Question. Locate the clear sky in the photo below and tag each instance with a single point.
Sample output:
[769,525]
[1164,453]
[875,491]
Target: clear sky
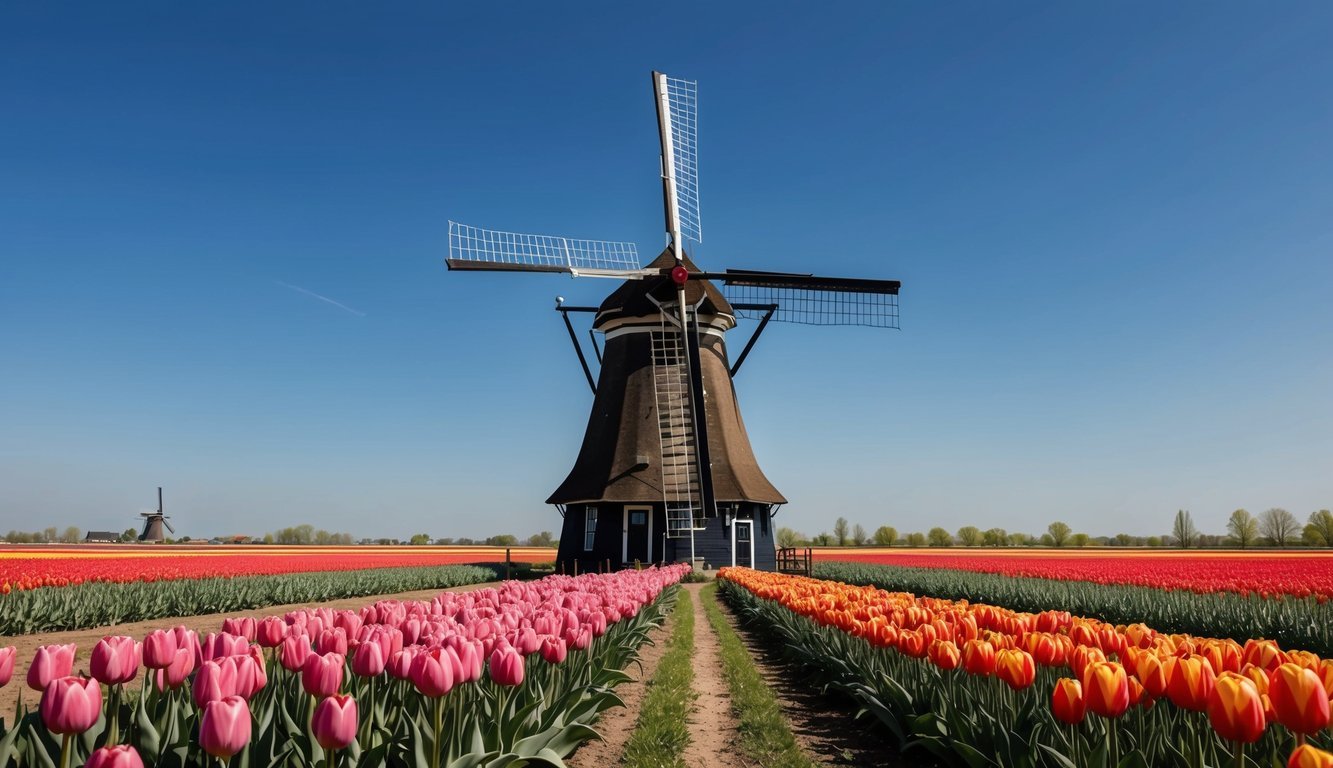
[223,226]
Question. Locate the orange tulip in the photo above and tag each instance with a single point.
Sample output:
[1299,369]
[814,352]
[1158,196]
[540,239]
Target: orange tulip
[1299,699]
[1082,656]
[944,654]
[1235,708]
[1106,688]
[1307,756]
[1015,668]
[912,643]
[979,657]
[1067,701]
[1138,695]
[1262,653]
[1189,682]
[1045,649]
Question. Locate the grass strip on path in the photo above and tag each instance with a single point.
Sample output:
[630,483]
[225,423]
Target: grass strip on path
[661,733]
[766,736]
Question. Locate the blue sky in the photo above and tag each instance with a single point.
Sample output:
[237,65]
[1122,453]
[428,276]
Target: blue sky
[1113,225]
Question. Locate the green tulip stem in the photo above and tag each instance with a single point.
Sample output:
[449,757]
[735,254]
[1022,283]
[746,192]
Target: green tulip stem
[64,750]
[1112,744]
[113,716]
[331,758]
[1240,754]
[367,726]
[501,704]
[439,733]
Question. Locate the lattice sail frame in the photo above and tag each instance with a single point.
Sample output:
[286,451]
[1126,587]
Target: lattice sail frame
[474,245]
[681,98]
[815,306]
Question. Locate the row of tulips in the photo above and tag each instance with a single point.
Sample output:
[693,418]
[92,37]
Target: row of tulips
[103,603]
[978,685]
[495,677]
[1296,622]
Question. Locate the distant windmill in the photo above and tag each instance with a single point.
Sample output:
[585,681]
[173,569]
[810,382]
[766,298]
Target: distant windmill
[154,521]
[666,472]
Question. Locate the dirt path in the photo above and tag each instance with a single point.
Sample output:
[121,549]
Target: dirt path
[616,725]
[824,726]
[712,723]
[85,639]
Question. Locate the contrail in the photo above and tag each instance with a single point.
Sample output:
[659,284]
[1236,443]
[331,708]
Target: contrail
[339,305]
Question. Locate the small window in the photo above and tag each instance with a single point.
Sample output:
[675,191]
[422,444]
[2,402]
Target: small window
[589,528]
[638,518]
[742,534]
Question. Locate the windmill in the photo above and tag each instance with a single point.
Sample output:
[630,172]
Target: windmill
[666,472]
[154,522]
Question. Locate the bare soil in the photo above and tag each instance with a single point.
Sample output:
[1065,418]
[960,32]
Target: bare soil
[712,723]
[85,639]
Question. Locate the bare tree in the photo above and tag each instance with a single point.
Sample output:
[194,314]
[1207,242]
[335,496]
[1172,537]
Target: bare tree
[840,531]
[1059,533]
[1183,531]
[885,536]
[858,535]
[1244,529]
[1278,526]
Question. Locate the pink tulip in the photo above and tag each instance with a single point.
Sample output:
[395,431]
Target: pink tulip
[334,722]
[400,663]
[243,626]
[322,676]
[115,660]
[225,726]
[332,641]
[222,644]
[294,651]
[51,662]
[159,649]
[71,704]
[251,677]
[215,681]
[122,756]
[177,672]
[507,667]
[554,650]
[368,660]
[7,656]
[270,632]
[528,642]
[433,671]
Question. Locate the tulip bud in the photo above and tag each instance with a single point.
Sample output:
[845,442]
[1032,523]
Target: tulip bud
[8,655]
[1106,688]
[944,654]
[400,663]
[1235,708]
[243,626]
[979,657]
[123,756]
[115,660]
[1067,701]
[177,672]
[295,649]
[1189,682]
[159,649]
[433,671]
[1307,756]
[368,659]
[1299,699]
[554,650]
[322,676]
[50,663]
[270,632]
[1015,668]
[507,667]
[216,680]
[334,722]
[71,704]
[224,728]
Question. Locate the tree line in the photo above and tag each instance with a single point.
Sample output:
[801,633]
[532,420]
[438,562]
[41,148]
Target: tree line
[1274,527]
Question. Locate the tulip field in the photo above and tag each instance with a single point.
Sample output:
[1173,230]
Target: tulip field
[975,685]
[503,676]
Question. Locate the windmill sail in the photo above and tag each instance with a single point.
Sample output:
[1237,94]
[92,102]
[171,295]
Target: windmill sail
[474,248]
[811,300]
[678,123]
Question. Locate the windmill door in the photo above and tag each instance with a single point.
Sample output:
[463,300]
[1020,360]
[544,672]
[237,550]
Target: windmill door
[638,535]
[743,546]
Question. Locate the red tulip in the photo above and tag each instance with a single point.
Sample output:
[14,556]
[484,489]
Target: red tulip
[115,660]
[51,662]
[432,671]
[1106,688]
[944,654]
[1016,668]
[1307,756]
[334,722]
[979,657]
[322,676]
[159,649]
[224,728]
[1236,709]
[122,756]
[507,667]
[1299,699]
[71,704]
[1067,701]
[1189,682]
[295,650]
[7,656]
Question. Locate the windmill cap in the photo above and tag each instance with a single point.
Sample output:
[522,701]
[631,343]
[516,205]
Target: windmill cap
[631,299]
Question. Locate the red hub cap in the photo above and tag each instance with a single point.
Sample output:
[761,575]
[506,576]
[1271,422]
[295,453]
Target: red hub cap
[680,274]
